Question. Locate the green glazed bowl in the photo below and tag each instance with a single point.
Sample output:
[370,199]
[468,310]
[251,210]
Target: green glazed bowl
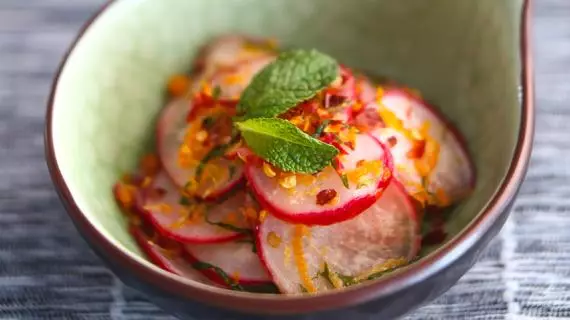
[470,57]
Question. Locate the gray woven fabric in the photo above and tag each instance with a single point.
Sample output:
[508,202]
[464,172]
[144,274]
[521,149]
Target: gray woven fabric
[48,272]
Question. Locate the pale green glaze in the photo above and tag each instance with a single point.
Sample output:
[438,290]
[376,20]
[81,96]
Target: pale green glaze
[461,54]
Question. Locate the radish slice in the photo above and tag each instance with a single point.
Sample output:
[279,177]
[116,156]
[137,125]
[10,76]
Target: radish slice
[167,260]
[160,203]
[233,81]
[454,172]
[171,129]
[385,236]
[230,50]
[368,117]
[299,204]
[236,259]
[366,92]
[404,167]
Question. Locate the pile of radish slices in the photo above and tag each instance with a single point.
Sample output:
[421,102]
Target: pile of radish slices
[209,209]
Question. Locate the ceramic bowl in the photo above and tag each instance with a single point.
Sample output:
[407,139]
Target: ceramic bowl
[470,58]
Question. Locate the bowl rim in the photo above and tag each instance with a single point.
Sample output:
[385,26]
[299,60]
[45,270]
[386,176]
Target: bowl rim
[397,281]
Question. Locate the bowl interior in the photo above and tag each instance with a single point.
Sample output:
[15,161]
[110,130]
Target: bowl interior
[462,55]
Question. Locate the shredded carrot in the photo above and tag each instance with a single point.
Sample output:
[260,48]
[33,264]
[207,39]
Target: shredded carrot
[269,170]
[125,194]
[273,239]
[299,232]
[178,85]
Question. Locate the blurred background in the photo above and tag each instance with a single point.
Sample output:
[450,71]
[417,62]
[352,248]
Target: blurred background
[48,272]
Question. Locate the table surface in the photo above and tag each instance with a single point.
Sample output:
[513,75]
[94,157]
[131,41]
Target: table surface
[48,272]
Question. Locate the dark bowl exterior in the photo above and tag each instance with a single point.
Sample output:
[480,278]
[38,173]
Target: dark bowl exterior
[387,298]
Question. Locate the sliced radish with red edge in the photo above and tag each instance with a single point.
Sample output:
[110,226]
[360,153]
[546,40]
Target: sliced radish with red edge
[171,129]
[454,171]
[160,204]
[233,81]
[230,50]
[236,259]
[299,204]
[170,261]
[386,232]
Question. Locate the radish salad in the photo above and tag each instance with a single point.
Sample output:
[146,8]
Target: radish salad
[287,172]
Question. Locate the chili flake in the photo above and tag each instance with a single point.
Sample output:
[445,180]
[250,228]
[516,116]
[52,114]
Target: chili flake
[325,196]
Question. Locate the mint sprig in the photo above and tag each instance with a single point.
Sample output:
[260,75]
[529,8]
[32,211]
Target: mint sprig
[295,76]
[285,146]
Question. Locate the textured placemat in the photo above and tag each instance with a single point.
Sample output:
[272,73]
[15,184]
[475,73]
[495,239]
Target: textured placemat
[47,271]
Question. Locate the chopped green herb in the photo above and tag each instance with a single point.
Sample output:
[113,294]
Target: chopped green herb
[216,93]
[226,226]
[321,128]
[258,288]
[331,276]
[208,122]
[303,289]
[344,179]
[199,265]
[184,201]
[216,152]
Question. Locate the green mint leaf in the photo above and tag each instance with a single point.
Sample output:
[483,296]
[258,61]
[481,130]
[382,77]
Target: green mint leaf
[285,146]
[295,76]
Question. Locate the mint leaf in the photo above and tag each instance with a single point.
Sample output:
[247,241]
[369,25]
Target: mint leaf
[294,77]
[285,146]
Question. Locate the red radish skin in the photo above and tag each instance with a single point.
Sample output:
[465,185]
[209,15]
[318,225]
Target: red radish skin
[366,91]
[301,206]
[404,168]
[232,81]
[170,134]
[228,51]
[387,230]
[174,264]
[454,172]
[235,258]
[168,222]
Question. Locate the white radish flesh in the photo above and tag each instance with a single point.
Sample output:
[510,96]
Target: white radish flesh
[299,203]
[236,259]
[160,202]
[454,172]
[386,232]
[171,129]
[170,261]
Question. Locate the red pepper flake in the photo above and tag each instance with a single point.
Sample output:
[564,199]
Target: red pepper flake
[417,150]
[332,100]
[156,193]
[325,196]
[392,141]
